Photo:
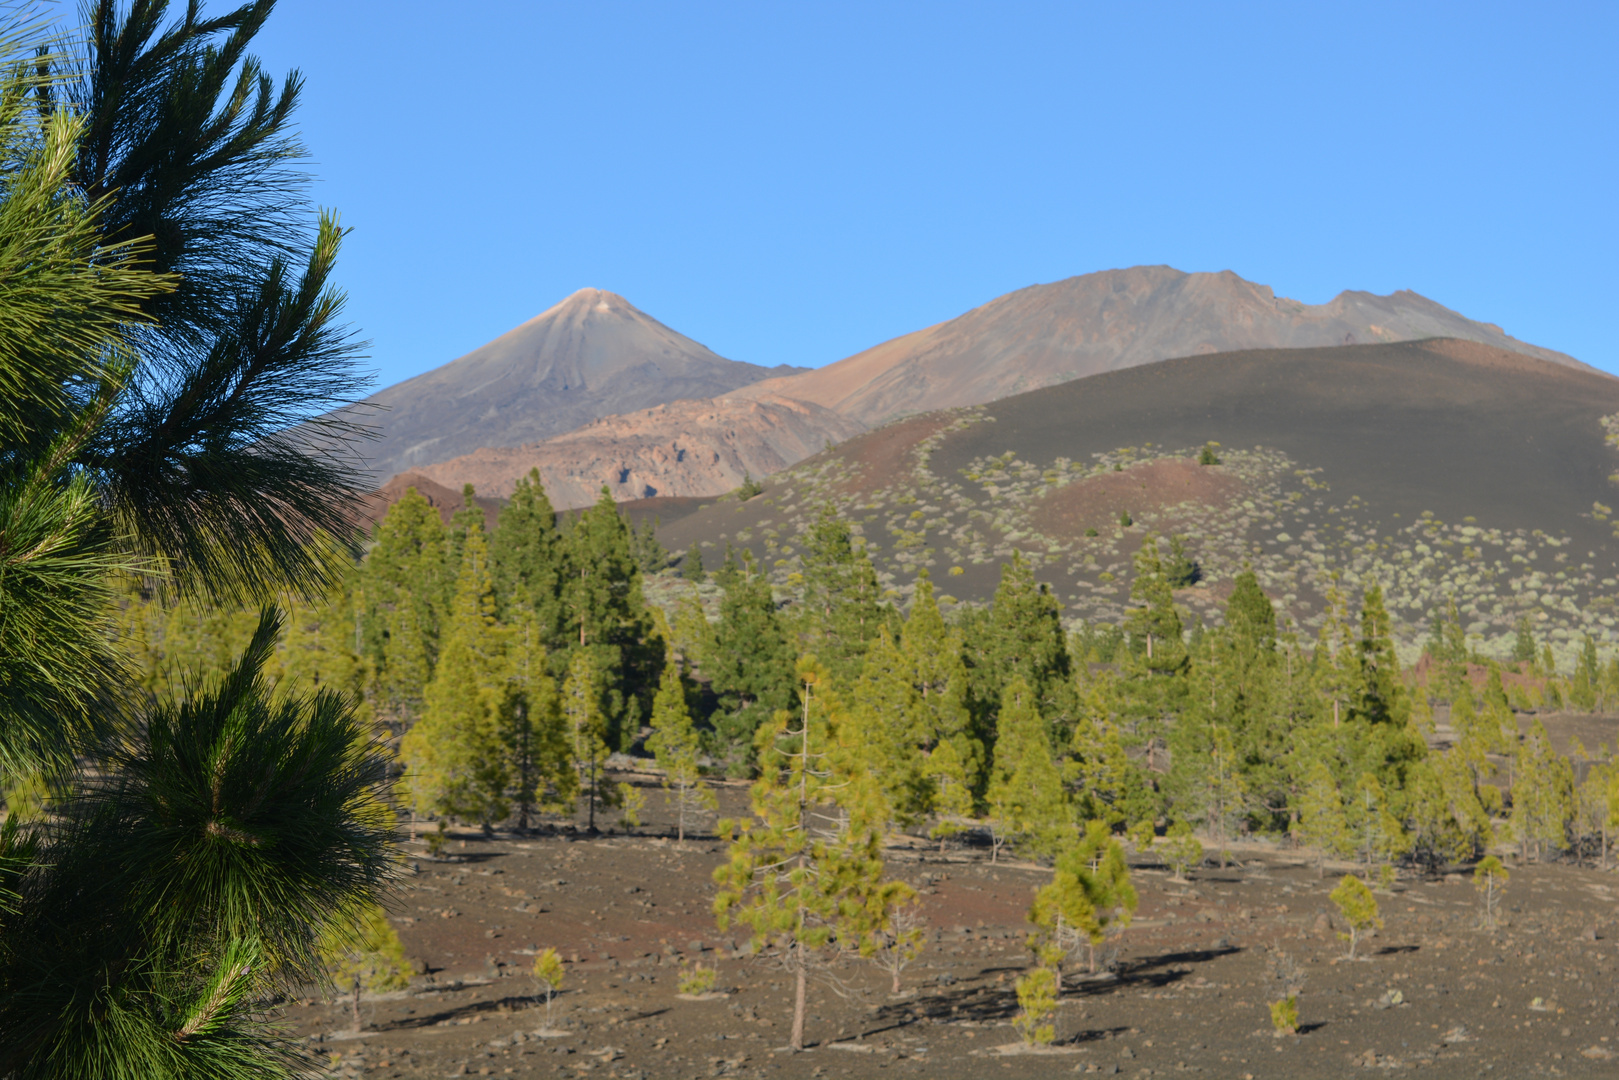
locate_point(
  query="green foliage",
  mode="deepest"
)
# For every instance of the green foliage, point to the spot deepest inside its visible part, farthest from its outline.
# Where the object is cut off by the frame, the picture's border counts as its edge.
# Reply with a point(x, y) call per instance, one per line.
point(1524, 650)
point(1358, 907)
point(604, 612)
point(1180, 570)
point(1182, 849)
point(365, 955)
point(551, 976)
point(1542, 795)
point(586, 725)
point(1155, 623)
point(1037, 1003)
point(748, 488)
point(238, 827)
point(803, 871)
point(696, 980)
point(1021, 638)
point(674, 745)
point(1027, 804)
point(454, 756)
point(1207, 456)
point(630, 803)
point(525, 551)
point(533, 734)
point(1125, 520)
point(691, 566)
point(1284, 1015)
point(750, 669)
point(1490, 877)
point(840, 613)
point(1089, 895)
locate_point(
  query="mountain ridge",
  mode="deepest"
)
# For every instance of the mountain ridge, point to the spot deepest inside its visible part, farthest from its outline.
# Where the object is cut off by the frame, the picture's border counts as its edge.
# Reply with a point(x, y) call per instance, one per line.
point(1046, 334)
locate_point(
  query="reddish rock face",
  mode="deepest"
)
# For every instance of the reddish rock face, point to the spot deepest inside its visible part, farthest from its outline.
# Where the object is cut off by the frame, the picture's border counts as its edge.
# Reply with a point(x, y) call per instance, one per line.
point(685, 448)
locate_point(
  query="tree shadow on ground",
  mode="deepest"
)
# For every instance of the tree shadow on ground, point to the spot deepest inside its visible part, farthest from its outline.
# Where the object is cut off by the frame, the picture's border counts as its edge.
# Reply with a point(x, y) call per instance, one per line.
point(982, 1003)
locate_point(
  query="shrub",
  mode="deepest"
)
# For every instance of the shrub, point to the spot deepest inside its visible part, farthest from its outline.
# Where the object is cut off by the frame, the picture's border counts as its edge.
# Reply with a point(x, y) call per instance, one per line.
point(696, 979)
point(1209, 457)
point(1037, 1001)
point(1284, 1014)
point(1125, 520)
point(1358, 907)
point(1183, 851)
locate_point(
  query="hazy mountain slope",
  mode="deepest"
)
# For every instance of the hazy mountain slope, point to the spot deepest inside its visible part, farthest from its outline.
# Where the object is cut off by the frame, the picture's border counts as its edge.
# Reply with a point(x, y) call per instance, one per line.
point(592, 355)
point(1331, 459)
point(1049, 334)
point(686, 448)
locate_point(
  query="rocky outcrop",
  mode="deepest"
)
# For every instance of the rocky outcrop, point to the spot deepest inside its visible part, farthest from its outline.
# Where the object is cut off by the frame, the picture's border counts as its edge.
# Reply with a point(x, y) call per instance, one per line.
point(685, 448)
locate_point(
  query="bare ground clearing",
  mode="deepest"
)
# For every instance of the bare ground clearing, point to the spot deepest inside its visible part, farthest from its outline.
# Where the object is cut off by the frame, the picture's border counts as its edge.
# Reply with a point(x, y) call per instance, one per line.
point(1188, 994)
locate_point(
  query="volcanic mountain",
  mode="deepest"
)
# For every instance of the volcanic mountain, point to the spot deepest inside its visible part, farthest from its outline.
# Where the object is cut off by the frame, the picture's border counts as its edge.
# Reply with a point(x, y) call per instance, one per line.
point(1442, 470)
point(680, 449)
point(1049, 334)
point(592, 355)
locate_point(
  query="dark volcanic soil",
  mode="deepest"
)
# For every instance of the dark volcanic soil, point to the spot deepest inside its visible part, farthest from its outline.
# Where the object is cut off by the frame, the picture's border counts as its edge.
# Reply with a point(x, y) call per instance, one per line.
point(1188, 994)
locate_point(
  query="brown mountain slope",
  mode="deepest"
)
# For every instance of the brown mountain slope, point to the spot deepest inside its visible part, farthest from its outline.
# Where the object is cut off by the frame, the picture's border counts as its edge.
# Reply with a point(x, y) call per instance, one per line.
point(686, 448)
point(446, 500)
point(1437, 469)
point(592, 355)
point(1049, 334)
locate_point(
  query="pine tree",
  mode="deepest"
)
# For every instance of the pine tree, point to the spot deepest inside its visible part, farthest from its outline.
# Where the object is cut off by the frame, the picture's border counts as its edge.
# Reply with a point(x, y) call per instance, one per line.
point(525, 550)
point(604, 612)
point(1027, 803)
point(1378, 833)
point(1378, 697)
point(1155, 624)
point(840, 611)
point(674, 745)
point(888, 717)
point(750, 669)
point(1022, 638)
point(587, 725)
point(535, 738)
point(691, 565)
point(952, 804)
point(1358, 907)
point(174, 373)
point(802, 872)
point(1542, 795)
point(932, 655)
point(1586, 682)
point(1324, 825)
point(366, 956)
point(1090, 894)
point(406, 587)
point(454, 755)
point(1524, 650)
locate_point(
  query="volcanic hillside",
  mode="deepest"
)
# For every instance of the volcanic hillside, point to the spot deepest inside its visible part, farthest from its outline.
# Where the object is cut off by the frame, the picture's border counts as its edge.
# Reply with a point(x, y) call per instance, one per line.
point(1438, 468)
point(1048, 334)
point(592, 355)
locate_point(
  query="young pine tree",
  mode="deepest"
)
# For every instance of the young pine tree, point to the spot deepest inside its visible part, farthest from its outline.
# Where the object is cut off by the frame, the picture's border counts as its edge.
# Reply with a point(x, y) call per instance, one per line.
point(367, 955)
point(1542, 795)
point(1028, 805)
point(674, 745)
point(533, 732)
point(587, 725)
point(1089, 895)
point(1323, 824)
point(802, 872)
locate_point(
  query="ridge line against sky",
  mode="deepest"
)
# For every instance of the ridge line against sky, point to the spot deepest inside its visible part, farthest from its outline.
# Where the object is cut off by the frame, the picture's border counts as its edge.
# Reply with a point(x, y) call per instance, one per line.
point(795, 185)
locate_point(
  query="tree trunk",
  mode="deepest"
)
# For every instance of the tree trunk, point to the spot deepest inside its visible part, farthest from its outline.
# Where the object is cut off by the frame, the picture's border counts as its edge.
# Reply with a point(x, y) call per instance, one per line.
point(896, 981)
point(356, 1003)
point(801, 994)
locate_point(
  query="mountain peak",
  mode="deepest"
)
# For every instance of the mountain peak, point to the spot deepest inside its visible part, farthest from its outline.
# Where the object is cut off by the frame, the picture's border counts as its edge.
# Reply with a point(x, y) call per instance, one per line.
point(593, 354)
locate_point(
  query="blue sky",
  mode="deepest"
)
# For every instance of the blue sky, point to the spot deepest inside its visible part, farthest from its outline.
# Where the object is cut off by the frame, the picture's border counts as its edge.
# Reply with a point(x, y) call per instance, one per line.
point(791, 183)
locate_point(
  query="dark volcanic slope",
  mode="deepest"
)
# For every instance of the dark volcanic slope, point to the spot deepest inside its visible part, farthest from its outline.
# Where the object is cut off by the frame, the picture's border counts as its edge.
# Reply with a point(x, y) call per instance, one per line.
point(1439, 468)
point(593, 355)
